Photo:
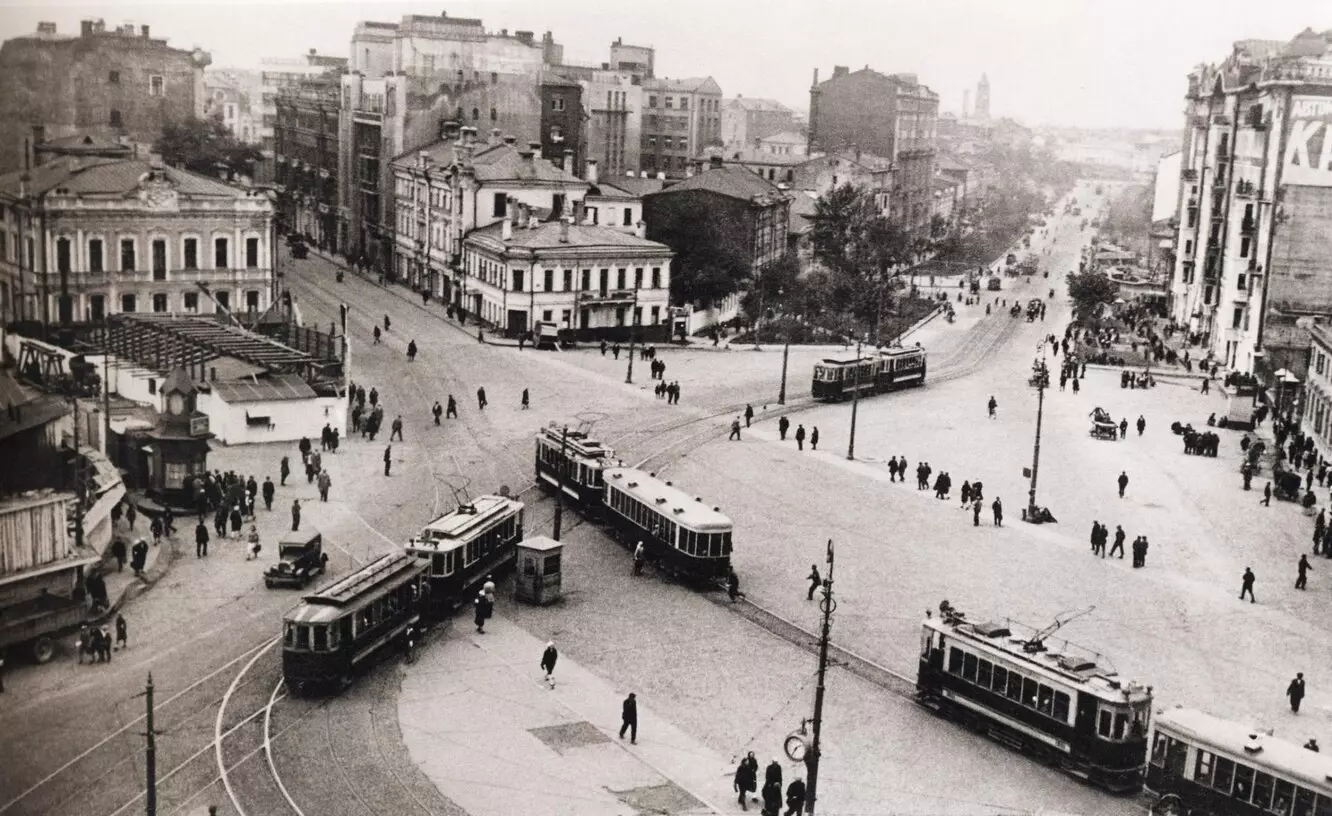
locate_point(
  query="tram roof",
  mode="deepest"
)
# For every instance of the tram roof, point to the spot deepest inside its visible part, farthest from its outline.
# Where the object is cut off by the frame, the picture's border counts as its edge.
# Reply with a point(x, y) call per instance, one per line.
point(355, 590)
point(682, 507)
point(578, 443)
point(1238, 741)
point(831, 362)
point(1062, 658)
point(467, 520)
point(901, 351)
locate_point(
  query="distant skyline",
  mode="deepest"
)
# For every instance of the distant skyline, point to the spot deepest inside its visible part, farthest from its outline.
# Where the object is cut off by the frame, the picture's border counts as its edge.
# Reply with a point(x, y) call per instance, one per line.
point(1050, 62)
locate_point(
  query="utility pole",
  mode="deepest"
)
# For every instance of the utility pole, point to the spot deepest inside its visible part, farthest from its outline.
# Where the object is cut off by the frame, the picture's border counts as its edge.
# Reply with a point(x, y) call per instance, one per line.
point(786, 352)
point(1042, 381)
point(78, 482)
point(855, 405)
point(633, 322)
point(559, 482)
point(150, 791)
point(828, 606)
point(106, 402)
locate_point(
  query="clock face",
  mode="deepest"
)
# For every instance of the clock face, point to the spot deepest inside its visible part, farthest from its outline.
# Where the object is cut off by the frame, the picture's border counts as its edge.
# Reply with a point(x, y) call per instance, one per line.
point(176, 404)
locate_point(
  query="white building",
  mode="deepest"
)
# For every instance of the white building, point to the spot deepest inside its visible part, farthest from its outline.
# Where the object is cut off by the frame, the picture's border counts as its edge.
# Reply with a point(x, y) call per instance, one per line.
point(275, 408)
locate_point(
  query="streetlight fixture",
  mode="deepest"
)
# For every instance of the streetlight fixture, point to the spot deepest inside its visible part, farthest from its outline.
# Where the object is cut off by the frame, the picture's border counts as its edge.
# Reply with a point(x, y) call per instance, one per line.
point(1041, 379)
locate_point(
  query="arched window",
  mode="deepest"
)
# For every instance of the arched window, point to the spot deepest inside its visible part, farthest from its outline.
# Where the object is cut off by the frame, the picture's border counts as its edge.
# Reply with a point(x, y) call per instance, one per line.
point(476, 114)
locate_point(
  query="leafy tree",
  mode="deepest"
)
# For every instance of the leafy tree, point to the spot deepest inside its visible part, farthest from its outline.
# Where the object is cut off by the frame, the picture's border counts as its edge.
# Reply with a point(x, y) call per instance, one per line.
point(778, 284)
point(709, 255)
point(841, 219)
point(204, 146)
point(1089, 291)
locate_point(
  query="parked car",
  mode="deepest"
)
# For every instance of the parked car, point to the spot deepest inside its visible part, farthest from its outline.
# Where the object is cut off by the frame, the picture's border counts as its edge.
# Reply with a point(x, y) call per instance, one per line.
point(301, 557)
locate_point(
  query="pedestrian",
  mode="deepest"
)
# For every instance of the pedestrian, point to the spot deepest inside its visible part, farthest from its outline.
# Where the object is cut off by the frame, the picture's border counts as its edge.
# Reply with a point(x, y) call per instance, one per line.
point(526, 400)
point(629, 717)
point(795, 797)
point(772, 795)
point(388, 459)
point(640, 556)
point(992, 405)
point(130, 515)
point(437, 412)
point(122, 632)
point(1075, 385)
point(1123, 428)
point(139, 557)
point(615, 351)
point(374, 397)
point(1304, 568)
point(295, 515)
point(485, 607)
point(1267, 495)
point(603, 348)
point(200, 540)
point(1123, 482)
point(85, 642)
point(1246, 587)
point(735, 430)
point(745, 782)
point(815, 581)
point(749, 415)
point(268, 490)
point(155, 527)
point(1142, 424)
point(254, 547)
point(998, 508)
point(236, 521)
point(1120, 535)
point(975, 513)
point(1311, 745)
point(118, 551)
point(284, 470)
point(325, 481)
point(772, 775)
point(397, 428)
point(814, 438)
point(800, 437)
point(481, 399)
point(548, 659)
point(733, 586)
point(376, 333)
point(782, 425)
point(411, 351)
point(452, 411)
point(1295, 691)
point(387, 323)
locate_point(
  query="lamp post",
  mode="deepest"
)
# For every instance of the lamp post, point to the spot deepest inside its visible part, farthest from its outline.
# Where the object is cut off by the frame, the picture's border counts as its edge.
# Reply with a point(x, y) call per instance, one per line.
point(855, 405)
point(786, 353)
point(827, 605)
point(633, 321)
point(559, 485)
point(1041, 379)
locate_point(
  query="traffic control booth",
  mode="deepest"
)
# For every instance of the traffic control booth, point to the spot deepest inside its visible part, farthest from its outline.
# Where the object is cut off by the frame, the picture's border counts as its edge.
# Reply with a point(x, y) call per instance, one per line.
point(539, 569)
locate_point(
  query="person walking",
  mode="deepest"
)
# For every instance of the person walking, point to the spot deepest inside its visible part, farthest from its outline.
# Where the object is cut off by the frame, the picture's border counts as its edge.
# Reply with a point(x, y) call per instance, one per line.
point(640, 557)
point(815, 581)
point(437, 412)
point(800, 437)
point(749, 415)
point(119, 553)
point(735, 430)
point(377, 338)
point(629, 718)
point(782, 425)
point(451, 412)
point(814, 438)
point(772, 798)
point(397, 429)
point(1142, 424)
point(548, 660)
point(1123, 428)
point(155, 527)
point(993, 405)
point(325, 482)
point(200, 540)
point(1295, 691)
point(387, 323)
point(388, 459)
point(485, 607)
point(998, 509)
point(1123, 482)
point(411, 351)
point(1267, 495)
point(268, 491)
point(1246, 586)
point(975, 513)
point(481, 399)
point(130, 515)
point(733, 586)
point(122, 632)
point(795, 797)
point(1120, 535)
point(284, 470)
point(1303, 580)
point(236, 521)
point(526, 400)
point(254, 547)
point(295, 515)
point(745, 782)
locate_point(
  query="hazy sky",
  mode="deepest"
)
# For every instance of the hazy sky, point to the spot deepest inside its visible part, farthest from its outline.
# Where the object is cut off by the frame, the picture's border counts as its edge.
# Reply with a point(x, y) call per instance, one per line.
point(1072, 62)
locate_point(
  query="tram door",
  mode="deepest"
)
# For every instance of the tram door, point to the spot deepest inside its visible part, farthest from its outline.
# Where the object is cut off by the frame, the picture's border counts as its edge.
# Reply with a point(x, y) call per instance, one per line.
point(1086, 723)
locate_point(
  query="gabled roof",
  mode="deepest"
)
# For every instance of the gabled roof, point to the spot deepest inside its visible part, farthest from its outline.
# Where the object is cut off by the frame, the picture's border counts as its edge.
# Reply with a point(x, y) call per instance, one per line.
point(786, 136)
point(493, 163)
point(751, 155)
point(102, 176)
point(730, 180)
point(757, 104)
point(686, 85)
point(804, 206)
point(546, 235)
point(635, 185)
point(276, 388)
point(86, 144)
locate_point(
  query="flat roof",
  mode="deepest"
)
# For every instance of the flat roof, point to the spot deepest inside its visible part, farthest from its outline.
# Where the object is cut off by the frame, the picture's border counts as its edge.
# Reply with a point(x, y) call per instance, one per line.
point(687, 509)
point(1286, 759)
point(466, 520)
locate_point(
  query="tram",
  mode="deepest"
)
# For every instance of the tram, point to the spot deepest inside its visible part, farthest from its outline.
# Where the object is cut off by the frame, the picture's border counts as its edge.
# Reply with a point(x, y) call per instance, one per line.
point(335, 632)
point(575, 460)
point(462, 548)
point(681, 534)
point(889, 369)
point(1061, 707)
point(1201, 764)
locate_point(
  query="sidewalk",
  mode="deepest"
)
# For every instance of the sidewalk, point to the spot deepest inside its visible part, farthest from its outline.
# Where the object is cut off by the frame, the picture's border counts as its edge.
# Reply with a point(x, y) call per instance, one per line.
point(123, 585)
point(481, 724)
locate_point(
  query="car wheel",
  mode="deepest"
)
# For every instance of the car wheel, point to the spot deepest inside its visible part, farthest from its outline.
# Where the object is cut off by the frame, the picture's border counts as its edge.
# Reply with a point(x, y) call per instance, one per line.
point(43, 649)
point(268, 583)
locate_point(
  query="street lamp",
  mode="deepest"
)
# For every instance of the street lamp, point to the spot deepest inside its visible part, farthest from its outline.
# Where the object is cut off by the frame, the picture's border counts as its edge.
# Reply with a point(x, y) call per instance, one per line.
point(855, 405)
point(633, 321)
point(1041, 379)
point(786, 353)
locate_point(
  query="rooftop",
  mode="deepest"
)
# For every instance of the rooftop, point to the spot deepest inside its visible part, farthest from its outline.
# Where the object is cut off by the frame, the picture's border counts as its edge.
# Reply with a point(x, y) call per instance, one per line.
point(730, 180)
point(753, 155)
point(85, 144)
point(757, 104)
point(276, 388)
point(546, 235)
point(636, 186)
point(95, 175)
point(786, 137)
point(686, 85)
point(493, 163)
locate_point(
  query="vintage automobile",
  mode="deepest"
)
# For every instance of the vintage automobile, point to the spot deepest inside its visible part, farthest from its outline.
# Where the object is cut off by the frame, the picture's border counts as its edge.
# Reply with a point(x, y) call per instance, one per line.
point(300, 558)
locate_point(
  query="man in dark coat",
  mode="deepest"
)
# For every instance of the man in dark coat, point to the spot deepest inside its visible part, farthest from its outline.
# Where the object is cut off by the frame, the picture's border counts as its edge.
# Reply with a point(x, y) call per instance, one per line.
point(746, 782)
point(139, 556)
point(1123, 482)
point(795, 797)
point(1295, 691)
point(548, 659)
point(800, 437)
point(749, 415)
point(782, 425)
point(268, 490)
point(388, 459)
point(1246, 585)
point(200, 540)
point(118, 550)
point(1119, 542)
point(815, 581)
point(1303, 580)
point(284, 470)
point(629, 717)
point(295, 515)
point(772, 799)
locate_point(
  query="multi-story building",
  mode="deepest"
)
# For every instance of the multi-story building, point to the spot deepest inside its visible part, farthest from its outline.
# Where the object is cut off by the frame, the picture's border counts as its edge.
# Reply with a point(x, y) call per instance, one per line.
point(92, 233)
point(598, 281)
point(638, 60)
point(616, 202)
point(1318, 391)
point(277, 74)
point(893, 116)
point(227, 99)
point(783, 143)
point(105, 83)
point(974, 176)
point(562, 123)
point(746, 120)
point(306, 146)
point(682, 116)
point(865, 171)
point(459, 184)
point(435, 68)
point(613, 115)
point(722, 213)
point(1253, 264)
point(983, 98)
point(778, 168)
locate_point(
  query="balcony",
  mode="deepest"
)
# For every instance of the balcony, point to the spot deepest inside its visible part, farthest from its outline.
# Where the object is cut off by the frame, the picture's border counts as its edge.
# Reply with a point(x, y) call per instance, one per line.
point(1245, 189)
point(1200, 121)
point(1218, 181)
point(1306, 72)
point(1221, 120)
point(606, 296)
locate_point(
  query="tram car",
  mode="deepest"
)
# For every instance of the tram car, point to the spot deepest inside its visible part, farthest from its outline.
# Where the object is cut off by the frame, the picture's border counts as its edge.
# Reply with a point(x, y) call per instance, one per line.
point(336, 632)
point(683, 536)
point(462, 548)
point(891, 368)
point(1061, 707)
point(1202, 764)
point(576, 461)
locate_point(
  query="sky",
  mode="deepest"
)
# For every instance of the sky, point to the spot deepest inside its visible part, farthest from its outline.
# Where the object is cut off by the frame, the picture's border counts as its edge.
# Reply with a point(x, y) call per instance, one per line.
point(1101, 63)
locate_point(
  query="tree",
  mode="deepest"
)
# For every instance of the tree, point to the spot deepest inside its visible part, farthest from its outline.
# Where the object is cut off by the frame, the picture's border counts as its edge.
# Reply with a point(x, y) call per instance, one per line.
point(204, 146)
point(710, 257)
point(1089, 291)
point(841, 219)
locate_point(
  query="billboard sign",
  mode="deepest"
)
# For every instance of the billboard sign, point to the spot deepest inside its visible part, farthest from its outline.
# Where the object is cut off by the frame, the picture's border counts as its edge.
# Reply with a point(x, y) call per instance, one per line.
point(1308, 159)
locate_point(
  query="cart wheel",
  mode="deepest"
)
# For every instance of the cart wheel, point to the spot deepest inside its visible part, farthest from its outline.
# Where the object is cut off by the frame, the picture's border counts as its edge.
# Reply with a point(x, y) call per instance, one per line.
point(268, 584)
point(43, 649)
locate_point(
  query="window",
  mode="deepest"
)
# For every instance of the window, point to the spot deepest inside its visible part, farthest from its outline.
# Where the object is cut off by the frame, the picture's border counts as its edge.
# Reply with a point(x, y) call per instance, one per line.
point(550, 282)
point(666, 142)
point(223, 300)
point(156, 85)
point(127, 255)
point(97, 307)
point(683, 143)
point(159, 259)
point(1237, 317)
point(1262, 790)
point(159, 303)
point(557, 104)
point(251, 253)
point(656, 315)
point(96, 263)
point(984, 671)
point(1000, 682)
point(1223, 775)
point(668, 104)
point(501, 205)
point(220, 253)
point(605, 281)
point(1244, 246)
point(1243, 783)
point(638, 278)
point(628, 217)
point(652, 101)
point(684, 103)
point(191, 302)
point(191, 253)
point(494, 78)
point(586, 282)
point(113, 77)
point(476, 114)
point(1014, 687)
point(517, 280)
point(969, 667)
point(494, 115)
point(127, 303)
point(619, 278)
point(114, 118)
point(568, 279)
point(64, 249)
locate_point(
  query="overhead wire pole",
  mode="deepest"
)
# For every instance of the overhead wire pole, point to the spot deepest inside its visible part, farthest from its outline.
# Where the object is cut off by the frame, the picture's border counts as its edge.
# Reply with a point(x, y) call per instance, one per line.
point(559, 484)
point(1041, 378)
point(828, 605)
point(855, 405)
point(150, 754)
point(633, 322)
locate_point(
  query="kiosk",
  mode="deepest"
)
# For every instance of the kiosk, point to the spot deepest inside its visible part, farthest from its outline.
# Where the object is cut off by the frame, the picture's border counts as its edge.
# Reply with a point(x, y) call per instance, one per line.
point(538, 578)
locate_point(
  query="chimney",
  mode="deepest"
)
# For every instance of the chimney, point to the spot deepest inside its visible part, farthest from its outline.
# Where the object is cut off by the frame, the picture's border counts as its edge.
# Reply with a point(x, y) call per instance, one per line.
point(714, 162)
point(528, 154)
point(50, 28)
point(510, 140)
point(660, 175)
point(524, 37)
point(568, 160)
point(840, 71)
point(535, 147)
point(564, 230)
point(591, 171)
point(506, 232)
point(469, 135)
point(640, 229)
point(448, 130)
point(143, 29)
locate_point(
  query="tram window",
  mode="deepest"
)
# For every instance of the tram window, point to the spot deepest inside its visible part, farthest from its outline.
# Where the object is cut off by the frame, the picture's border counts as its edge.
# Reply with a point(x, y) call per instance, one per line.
point(1015, 686)
point(726, 544)
point(954, 660)
point(365, 619)
point(320, 638)
point(1304, 802)
point(969, 668)
point(1243, 783)
point(302, 637)
point(437, 568)
point(1262, 790)
point(289, 636)
point(1159, 749)
point(1060, 711)
point(1029, 691)
point(1282, 795)
point(1000, 682)
point(984, 673)
point(1177, 758)
point(1202, 769)
point(1121, 726)
point(334, 636)
point(1223, 775)
point(1141, 715)
point(1105, 723)
point(1045, 703)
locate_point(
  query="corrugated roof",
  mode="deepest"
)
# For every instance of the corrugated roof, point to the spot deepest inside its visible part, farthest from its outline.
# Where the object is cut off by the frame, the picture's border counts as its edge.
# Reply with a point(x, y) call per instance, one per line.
point(728, 180)
point(547, 236)
point(277, 388)
point(89, 175)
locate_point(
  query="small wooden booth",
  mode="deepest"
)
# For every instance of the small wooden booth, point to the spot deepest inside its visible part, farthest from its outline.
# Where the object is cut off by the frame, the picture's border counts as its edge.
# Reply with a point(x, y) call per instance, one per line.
point(538, 578)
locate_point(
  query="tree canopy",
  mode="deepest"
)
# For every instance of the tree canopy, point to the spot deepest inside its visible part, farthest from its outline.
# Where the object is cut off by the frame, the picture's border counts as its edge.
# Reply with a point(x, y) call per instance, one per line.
point(204, 146)
point(1089, 291)
point(709, 258)
point(860, 246)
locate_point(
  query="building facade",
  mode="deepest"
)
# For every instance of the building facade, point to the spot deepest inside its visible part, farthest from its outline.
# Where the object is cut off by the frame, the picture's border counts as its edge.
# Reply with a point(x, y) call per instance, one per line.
point(681, 117)
point(276, 75)
point(1253, 267)
point(865, 171)
point(598, 281)
point(85, 237)
point(983, 98)
point(1318, 391)
point(893, 116)
point(227, 99)
point(109, 84)
point(306, 147)
point(613, 115)
point(562, 124)
point(744, 121)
